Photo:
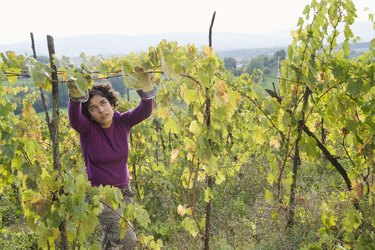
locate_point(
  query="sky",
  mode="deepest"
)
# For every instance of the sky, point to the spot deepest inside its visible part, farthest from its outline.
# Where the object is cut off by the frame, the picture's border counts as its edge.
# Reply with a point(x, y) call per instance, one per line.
point(80, 17)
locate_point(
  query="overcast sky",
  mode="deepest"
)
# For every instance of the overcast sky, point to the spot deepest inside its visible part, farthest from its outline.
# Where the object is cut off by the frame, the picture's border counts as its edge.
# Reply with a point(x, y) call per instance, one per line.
point(80, 17)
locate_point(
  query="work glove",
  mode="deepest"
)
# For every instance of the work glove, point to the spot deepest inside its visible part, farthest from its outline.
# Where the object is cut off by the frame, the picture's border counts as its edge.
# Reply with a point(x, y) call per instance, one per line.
point(142, 82)
point(76, 94)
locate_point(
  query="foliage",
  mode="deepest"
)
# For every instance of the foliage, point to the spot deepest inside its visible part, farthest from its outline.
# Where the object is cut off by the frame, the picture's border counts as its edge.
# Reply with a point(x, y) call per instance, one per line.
point(292, 168)
point(264, 62)
point(230, 63)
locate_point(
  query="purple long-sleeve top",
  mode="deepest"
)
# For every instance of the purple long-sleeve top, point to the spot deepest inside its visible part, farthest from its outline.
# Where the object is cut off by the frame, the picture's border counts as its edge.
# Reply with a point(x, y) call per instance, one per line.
point(105, 150)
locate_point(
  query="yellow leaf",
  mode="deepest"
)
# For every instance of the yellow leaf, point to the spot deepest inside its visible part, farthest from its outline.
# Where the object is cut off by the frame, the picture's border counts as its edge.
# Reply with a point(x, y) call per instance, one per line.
point(222, 91)
point(174, 154)
point(170, 125)
point(220, 177)
point(181, 210)
point(162, 112)
point(195, 128)
point(258, 134)
point(208, 195)
point(12, 78)
point(190, 96)
point(275, 143)
point(207, 51)
point(268, 195)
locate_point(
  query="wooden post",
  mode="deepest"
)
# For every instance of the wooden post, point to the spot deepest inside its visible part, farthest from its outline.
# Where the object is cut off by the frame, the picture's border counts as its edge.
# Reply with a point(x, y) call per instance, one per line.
point(41, 90)
point(210, 179)
point(55, 106)
point(63, 244)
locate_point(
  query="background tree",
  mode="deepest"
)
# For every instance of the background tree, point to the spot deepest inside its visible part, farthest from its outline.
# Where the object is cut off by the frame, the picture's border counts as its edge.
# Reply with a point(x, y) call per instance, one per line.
point(230, 63)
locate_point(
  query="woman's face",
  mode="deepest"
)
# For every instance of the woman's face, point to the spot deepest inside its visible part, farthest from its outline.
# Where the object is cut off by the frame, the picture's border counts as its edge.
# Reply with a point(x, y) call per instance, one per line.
point(101, 111)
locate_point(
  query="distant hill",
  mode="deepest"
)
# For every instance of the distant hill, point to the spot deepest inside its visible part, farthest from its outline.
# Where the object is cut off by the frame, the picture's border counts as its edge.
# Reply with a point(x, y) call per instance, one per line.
point(226, 44)
point(110, 44)
point(246, 54)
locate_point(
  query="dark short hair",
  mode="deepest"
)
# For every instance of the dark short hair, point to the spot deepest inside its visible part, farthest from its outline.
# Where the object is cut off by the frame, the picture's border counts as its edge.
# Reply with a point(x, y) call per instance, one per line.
point(104, 90)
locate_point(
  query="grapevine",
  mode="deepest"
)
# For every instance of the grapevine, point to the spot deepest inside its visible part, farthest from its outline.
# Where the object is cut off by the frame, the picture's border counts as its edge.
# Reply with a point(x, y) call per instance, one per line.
point(293, 129)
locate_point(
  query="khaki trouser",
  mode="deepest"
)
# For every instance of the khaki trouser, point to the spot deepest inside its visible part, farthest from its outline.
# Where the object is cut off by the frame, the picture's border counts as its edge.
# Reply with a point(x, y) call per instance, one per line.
point(109, 219)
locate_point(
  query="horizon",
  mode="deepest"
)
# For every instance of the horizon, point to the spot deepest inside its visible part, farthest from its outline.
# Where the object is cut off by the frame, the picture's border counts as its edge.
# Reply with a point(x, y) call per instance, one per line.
point(149, 17)
point(119, 44)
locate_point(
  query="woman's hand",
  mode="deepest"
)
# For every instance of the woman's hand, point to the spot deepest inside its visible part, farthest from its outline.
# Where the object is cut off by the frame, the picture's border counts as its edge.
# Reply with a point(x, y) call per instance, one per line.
point(75, 94)
point(139, 80)
point(142, 82)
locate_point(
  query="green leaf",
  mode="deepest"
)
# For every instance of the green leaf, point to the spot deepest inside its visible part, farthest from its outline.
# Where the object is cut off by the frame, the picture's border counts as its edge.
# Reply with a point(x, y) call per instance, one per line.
point(111, 196)
point(272, 106)
point(203, 76)
point(170, 125)
point(300, 21)
point(190, 96)
point(220, 177)
point(308, 145)
point(79, 207)
point(352, 220)
point(31, 148)
point(354, 87)
point(195, 128)
point(189, 144)
point(2, 76)
point(306, 10)
point(142, 216)
point(346, 48)
point(259, 91)
point(40, 73)
point(190, 226)
point(81, 83)
point(258, 134)
point(187, 179)
point(81, 183)
point(12, 78)
point(268, 196)
point(44, 234)
point(271, 178)
point(17, 162)
point(208, 195)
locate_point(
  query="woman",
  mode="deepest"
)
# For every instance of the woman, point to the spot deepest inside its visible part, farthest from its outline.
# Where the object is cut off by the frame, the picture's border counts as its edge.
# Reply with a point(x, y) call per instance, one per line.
point(104, 135)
